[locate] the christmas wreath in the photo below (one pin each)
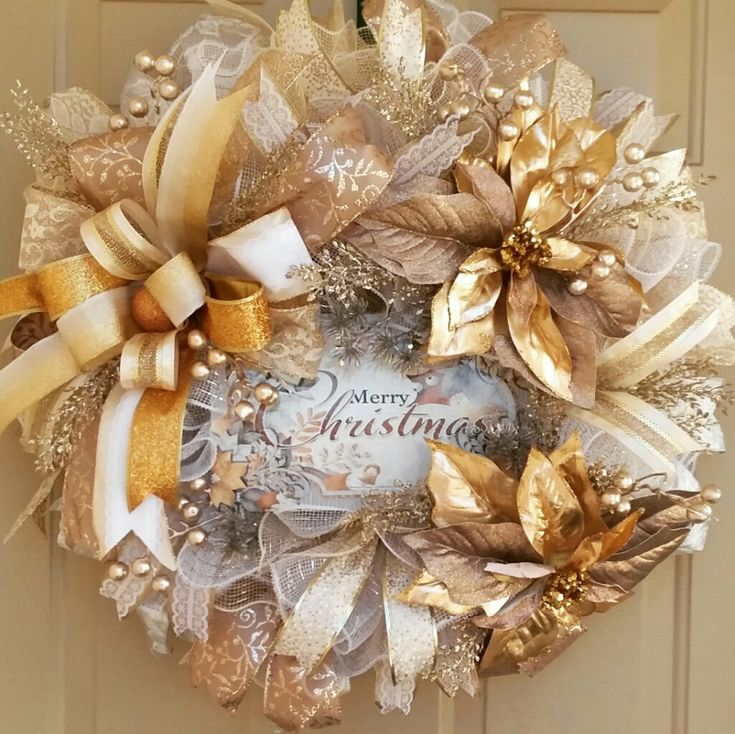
(344, 349)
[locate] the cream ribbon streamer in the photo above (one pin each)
(112, 518)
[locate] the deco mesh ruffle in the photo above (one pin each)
(344, 349)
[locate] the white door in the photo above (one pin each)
(661, 663)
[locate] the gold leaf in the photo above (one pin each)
(531, 160)
(457, 556)
(569, 460)
(567, 255)
(532, 645)
(536, 336)
(600, 546)
(445, 342)
(550, 514)
(469, 488)
(472, 297)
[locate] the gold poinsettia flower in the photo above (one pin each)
(527, 558)
(534, 292)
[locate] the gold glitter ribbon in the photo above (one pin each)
(56, 288)
(237, 314)
(155, 443)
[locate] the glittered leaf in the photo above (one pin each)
(424, 239)
(431, 592)
(457, 556)
(493, 192)
(626, 572)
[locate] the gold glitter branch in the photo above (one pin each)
(36, 135)
(62, 429)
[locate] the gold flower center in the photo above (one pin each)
(565, 589)
(523, 248)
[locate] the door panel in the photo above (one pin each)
(658, 664)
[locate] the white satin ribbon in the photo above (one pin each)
(264, 250)
(112, 518)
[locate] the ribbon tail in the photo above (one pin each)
(411, 631)
(112, 518)
(325, 606)
(248, 635)
(293, 699)
(153, 463)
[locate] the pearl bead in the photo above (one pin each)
(444, 111)
(449, 71)
(196, 339)
(608, 258)
(577, 286)
(523, 100)
(138, 107)
(161, 583)
(118, 122)
(265, 393)
(144, 60)
(196, 536)
(651, 177)
(190, 512)
(508, 130)
(199, 370)
(633, 182)
(165, 65)
(634, 153)
(461, 109)
(624, 481)
(215, 357)
(623, 507)
(600, 270)
(198, 484)
(699, 511)
(611, 499)
(711, 493)
(493, 93)
(586, 177)
(169, 89)
(244, 410)
(560, 178)
(116, 571)
(183, 500)
(140, 567)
